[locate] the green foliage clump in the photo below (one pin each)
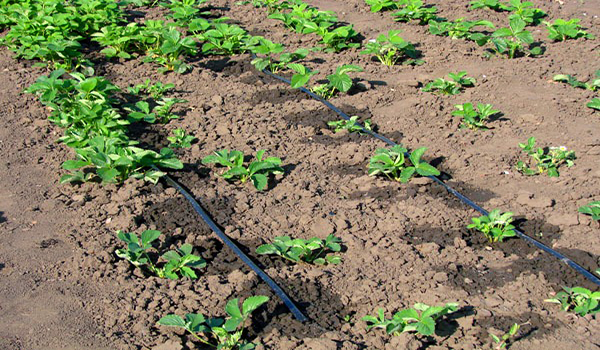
(392, 48)
(391, 163)
(544, 160)
(578, 300)
(495, 226)
(442, 86)
(420, 319)
(311, 251)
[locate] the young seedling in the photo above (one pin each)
(495, 5)
(474, 118)
(171, 50)
(350, 125)
(578, 300)
(514, 40)
(156, 91)
(219, 333)
(338, 39)
(411, 320)
(593, 85)
(562, 30)
(180, 139)
(594, 104)
(268, 48)
(545, 160)
(415, 10)
(382, 5)
(180, 262)
(311, 251)
(502, 342)
(461, 29)
(450, 87)
(495, 226)
(258, 170)
(224, 39)
(525, 11)
(592, 209)
(391, 48)
(337, 82)
(391, 163)
(302, 75)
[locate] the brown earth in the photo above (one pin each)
(62, 287)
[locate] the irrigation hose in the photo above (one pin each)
(454, 192)
(211, 223)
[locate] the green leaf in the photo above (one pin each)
(259, 181)
(233, 309)
(426, 326)
(149, 236)
(172, 321)
(342, 82)
(266, 249)
(253, 303)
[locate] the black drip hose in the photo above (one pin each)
(210, 222)
(457, 194)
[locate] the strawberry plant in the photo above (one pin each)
(268, 48)
(495, 5)
(592, 209)
(184, 11)
(460, 29)
(502, 342)
(420, 319)
(224, 39)
(178, 263)
(382, 5)
(525, 11)
(514, 40)
(391, 48)
(562, 30)
(119, 41)
(495, 226)
(219, 333)
(594, 104)
(545, 160)
(164, 109)
(301, 76)
(337, 82)
(442, 86)
(338, 39)
(350, 125)
(474, 118)
(311, 251)
(180, 139)
(414, 10)
(571, 80)
(171, 51)
(156, 91)
(391, 163)
(257, 171)
(578, 300)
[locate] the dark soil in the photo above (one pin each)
(62, 286)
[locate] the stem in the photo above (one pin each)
(203, 340)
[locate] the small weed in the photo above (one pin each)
(411, 320)
(219, 333)
(545, 160)
(391, 163)
(311, 251)
(450, 87)
(177, 263)
(502, 342)
(258, 170)
(474, 118)
(495, 226)
(578, 300)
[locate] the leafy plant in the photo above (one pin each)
(474, 118)
(382, 5)
(461, 29)
(184, 11)
(592, 208)
(311, 251)
(156, 91)
(302, 75)
(224, 39)
(169, 54)
(525, 11)
(164, 109)
(257, 171)
(495, 5)
(545, 159)
(502, 342)
(594, 104)
(422, 319)
(514, 40)
(268, 48)
(120, 41)
(391, 48)
(391, 163)
(337, 82)
(578, 300)
(338, 39)
(459, 81)
(223, 334)
(178, 263)
(495, 226)
(571, 80)
(414, 10)
(180, 139)
(350, 125)
(562, 30)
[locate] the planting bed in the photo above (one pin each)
(62, 287)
